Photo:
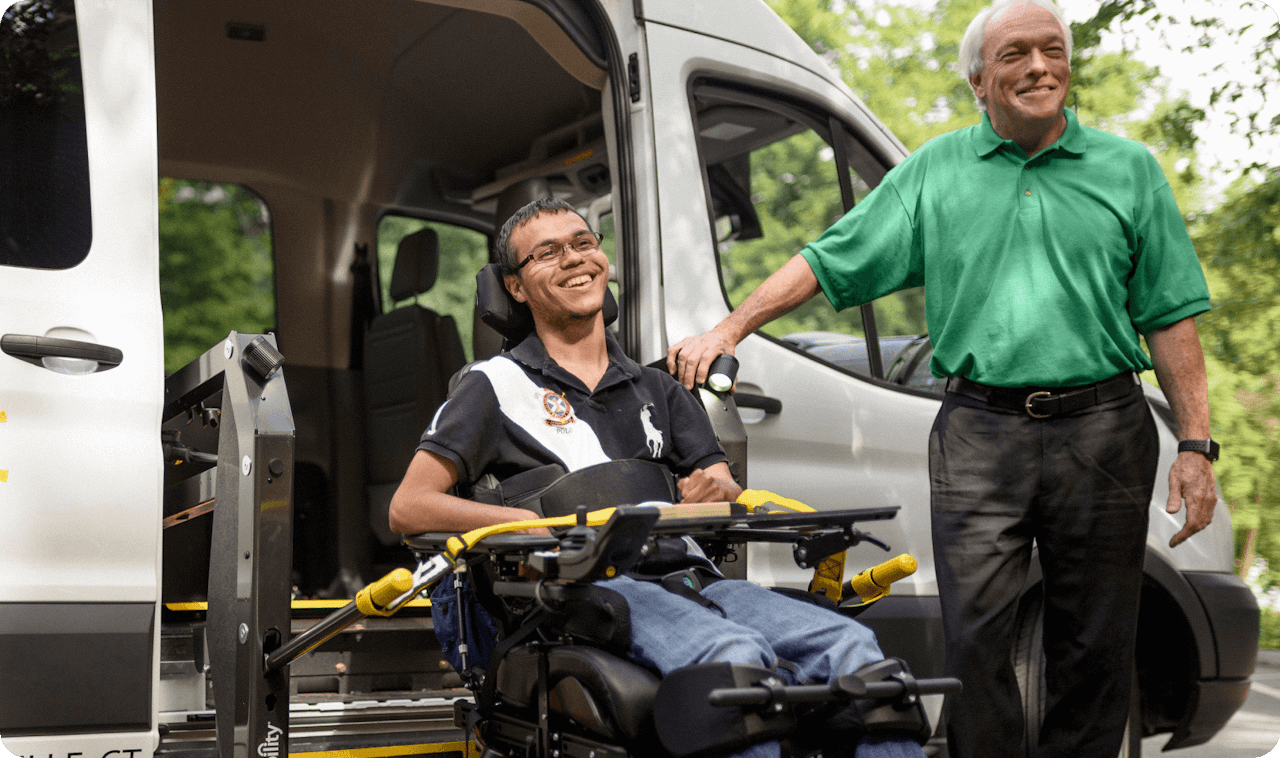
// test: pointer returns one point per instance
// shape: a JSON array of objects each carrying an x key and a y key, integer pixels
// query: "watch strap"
[{"x": 1208, "y": 448}]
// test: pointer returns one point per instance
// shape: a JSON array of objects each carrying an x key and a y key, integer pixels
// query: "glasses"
[{"x": 585, "y": 243}]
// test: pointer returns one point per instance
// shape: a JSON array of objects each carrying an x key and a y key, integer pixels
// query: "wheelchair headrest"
[
  {"x": 417, "y": 263},
  {"x": 511, "y": 319}
]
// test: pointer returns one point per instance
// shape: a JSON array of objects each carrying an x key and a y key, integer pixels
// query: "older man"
[{"x": 1045, "y": 249}]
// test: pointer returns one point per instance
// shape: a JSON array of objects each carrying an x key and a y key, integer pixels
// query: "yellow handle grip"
[
  {"x": 374, "y": 599},
  {"x": 873, "y": 584}
]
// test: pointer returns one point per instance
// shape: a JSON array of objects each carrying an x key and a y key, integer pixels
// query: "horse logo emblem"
[
  {"x": 652, "y": 435},
  {"x": 559, "y": 412}
]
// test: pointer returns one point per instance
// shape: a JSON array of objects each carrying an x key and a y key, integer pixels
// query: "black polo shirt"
[{"x": 521, "y": 410}]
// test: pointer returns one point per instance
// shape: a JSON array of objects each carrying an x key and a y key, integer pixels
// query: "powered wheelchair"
[{"x": 558, "y": 684}]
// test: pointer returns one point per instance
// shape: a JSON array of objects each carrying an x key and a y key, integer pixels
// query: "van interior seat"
[{"x": 409, "y": 355}]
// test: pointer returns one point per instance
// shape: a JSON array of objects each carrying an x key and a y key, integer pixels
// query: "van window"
[
  {"x": 463, "y": 252},
  {"x": 773, "y": 184},
  {"x": 44, "y": 158},
  {"x": 216, "y": 267}
]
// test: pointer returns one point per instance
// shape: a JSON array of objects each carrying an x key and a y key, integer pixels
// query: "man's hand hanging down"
[{"x": 1179, "y": 364}]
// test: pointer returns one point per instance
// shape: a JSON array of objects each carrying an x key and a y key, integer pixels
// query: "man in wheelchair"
[{"x": 566, "y": 398}]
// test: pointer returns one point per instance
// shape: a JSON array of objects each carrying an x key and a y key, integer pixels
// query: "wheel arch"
[{"x": 1175, "y": 642}]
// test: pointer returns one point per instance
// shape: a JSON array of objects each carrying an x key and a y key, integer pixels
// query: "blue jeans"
[{"x": 804, "y": 643}]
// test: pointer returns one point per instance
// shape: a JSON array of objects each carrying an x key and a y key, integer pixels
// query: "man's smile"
[
  {"x": 579, "y": 280},
  {"x": 1036, "y": 90}
]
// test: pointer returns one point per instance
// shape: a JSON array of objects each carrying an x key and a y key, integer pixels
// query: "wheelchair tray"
[{"x": 757, "y": 527}]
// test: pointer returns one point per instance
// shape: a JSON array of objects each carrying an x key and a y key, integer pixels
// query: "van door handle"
[
  {"x": 31, "y": 349},
  {"x": 770, "y": 405}
]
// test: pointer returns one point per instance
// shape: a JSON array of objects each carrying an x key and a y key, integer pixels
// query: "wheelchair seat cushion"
[{"x": 621, "y": 691}]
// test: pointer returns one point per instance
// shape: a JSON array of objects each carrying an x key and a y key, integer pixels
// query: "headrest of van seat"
[
  {"x": 511, "y": 319},
  {"x": 417, "y": 263}
]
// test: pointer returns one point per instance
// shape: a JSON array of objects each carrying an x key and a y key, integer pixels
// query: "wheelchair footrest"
[{"x": 690, "y": 727}]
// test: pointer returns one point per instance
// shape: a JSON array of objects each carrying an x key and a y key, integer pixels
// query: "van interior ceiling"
[{"x": 338, "y": 113}]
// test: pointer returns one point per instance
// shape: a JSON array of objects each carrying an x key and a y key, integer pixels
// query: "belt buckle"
[{"x": 1031, "y": 398}]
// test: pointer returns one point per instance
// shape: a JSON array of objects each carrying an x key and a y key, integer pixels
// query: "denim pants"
[
  {"x": 806, "y": 644},
  {"x": 1079, "y": 486}
]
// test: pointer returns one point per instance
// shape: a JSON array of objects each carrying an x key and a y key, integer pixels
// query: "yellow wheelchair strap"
[
  {"x": 754, "y": 498},
  {"x": 828, "y": 577}
]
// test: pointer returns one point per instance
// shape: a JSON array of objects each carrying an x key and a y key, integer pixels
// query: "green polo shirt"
[{"x": 1037, "y": 272}]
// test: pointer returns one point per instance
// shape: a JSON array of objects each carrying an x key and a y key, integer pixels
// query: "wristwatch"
[{"x": 1207, "y": 448}]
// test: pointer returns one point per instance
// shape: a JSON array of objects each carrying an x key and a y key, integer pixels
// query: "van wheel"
[{"x": 1028, "y": 665}]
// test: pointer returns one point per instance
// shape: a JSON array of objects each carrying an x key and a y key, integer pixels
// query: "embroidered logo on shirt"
[
  {"x": 559, "y": 412},
  {"x": 652, "y": 436}
]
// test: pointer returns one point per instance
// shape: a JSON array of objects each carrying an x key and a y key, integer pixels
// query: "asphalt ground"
[{"x": 1255, "y": 729}]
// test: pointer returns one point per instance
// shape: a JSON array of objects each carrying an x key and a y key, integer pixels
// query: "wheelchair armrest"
[
  {"x": 589, "y": 554},
  {"x": 435, "y": 542}
]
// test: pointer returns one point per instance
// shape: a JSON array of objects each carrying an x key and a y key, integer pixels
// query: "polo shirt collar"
[
  {"x": 532, "y": 353},
  {"x": 986, "y": 141}
]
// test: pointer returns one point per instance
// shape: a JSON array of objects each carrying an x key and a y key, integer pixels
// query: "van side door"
[
  {"x": 81, "y": 378},
  {"x": 756, "y": 155}
]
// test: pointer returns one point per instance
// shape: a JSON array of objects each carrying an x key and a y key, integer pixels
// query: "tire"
[{"x": 1028, "y": 665}]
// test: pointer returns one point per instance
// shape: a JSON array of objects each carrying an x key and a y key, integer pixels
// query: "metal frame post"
[{"x": 251, "y": 556}]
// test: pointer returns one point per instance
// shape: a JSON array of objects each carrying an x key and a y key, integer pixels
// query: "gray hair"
[
  {"x": 971, "y": 45},
  {"x": 507, "y": 255}
]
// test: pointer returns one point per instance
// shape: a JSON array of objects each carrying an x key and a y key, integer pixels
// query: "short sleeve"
[
  {"x": 1168, "y": 284},
  {"x": 694, "y": 441},
  {"x": 869, "y": 252},
  {"x": 463, "y": 426}
]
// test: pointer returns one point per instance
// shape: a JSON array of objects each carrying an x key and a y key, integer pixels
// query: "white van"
[{"x": 372, "y": 131}]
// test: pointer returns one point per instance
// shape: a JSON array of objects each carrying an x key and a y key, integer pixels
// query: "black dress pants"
[{"x": 1078, "y": 486}]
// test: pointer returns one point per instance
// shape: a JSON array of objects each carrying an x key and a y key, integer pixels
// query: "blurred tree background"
[
  {"x": 216, "y": 270},
  {"x": 901, "y": 59}
]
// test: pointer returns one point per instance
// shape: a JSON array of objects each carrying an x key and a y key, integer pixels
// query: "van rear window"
[{"x": 44, "y": 159}]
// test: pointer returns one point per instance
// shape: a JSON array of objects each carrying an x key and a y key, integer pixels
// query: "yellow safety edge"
[
  {"x": 467, "y": 749},
  {"x": 297, "y": 605}
]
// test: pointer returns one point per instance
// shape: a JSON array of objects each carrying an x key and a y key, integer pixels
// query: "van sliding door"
[{"x": 778, "y": 163}]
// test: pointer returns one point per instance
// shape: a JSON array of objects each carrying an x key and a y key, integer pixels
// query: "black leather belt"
[{"x": 1043, "y": 402}]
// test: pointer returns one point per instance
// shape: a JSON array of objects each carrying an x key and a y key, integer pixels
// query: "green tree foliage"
[
  {"x": 462, "y": 253},
  {"x": 1239, "y": 243},
  {"x": 216, "y": 270}
]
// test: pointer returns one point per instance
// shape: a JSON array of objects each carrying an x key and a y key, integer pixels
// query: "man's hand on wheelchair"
[{"x": 703, "y": 487}]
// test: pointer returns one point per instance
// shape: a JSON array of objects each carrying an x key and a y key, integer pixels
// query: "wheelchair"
[{"x": 558, "y": 684}]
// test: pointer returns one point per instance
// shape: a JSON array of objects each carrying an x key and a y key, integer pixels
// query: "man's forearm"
[
  {"x": 785, "y": 290},
  {"x": 1179, "y": 364}
]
